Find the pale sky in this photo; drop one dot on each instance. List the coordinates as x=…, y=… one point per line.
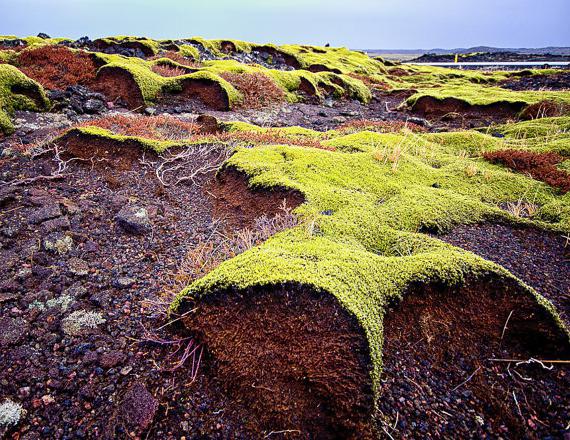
x=359, y=24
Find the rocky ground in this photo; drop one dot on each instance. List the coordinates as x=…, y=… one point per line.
x=86, y=258
x=90, y=248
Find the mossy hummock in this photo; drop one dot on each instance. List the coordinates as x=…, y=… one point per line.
x=368, y=206
x=18, y=92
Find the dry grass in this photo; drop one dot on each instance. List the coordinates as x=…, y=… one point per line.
x=379, y=126
x=522, y=209
x=167, y=70
x=371, y=82
x=57, y=67
x=270, y=137
x=162, y=128
x=218, y=248
x=258, y=90
x=178, y=57
x=471, y=170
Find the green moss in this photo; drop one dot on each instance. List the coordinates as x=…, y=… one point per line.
x=477, y=95
x=543, y=127
x=101, y=133
x=152, y=85
x=340, y=59
x=18, y=92
x=152, y=45
x=366, y=204
x=8, y=56
x=189, y=52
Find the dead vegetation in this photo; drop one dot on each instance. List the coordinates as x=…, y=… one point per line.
x=57, y=67
x=162, y=127
x=219, y=247
x=380, y=126
x=168, y=70
x=258, y=90
x=540, y=166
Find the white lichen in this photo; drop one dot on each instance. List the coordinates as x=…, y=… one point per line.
x=63, y=302
x=81, y=320
x=10, y=413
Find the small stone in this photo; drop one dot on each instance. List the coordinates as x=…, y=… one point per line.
x=126, y=370
x=134, y=220
x=56, y=224
x=339, y=119
x=78, y=267
x=12, y=331
x=58, y=243
x=150, y=111
x=47, y=400
x=112, y=359
x=124, y=282
x=46, y=212
x=93, y=106
x=138, y=407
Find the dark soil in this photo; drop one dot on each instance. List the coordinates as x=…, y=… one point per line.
x=439, y=380
x=228, y=190
x=559, y=81
x=296, y=359
x=119, y=87
x=539, y=258
x=113, y=379
x=460, y=113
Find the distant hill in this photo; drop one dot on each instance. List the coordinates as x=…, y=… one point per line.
x=523, y=51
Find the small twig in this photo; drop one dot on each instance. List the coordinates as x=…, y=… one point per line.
x=387, y=433
x=541, y=361
x=518, y=406
x=506, y=322
x=285, y=431
x=466, y=380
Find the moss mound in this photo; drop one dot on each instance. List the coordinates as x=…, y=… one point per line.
x=18, y=92
x=367, y=205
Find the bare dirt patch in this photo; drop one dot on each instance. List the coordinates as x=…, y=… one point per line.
x=452, y=108
x=119, y=86
x=439, y=380
x=539, y=258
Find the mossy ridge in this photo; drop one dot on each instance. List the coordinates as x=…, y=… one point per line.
x=158, y=146
x=536, y=128
x=339, y=59
x=360, y=242
x=18, y=92
x=482, y=96
x=153, y=46
x=152, y=85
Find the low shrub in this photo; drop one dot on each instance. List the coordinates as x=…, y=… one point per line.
x=57, y=67
x=541, y=166
x=258, y=90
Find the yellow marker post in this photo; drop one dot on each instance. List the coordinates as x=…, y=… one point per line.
x=456, y=57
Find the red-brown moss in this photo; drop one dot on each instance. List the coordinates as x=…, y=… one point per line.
x=258, y=90
x=57, y=67
x=541, y=166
